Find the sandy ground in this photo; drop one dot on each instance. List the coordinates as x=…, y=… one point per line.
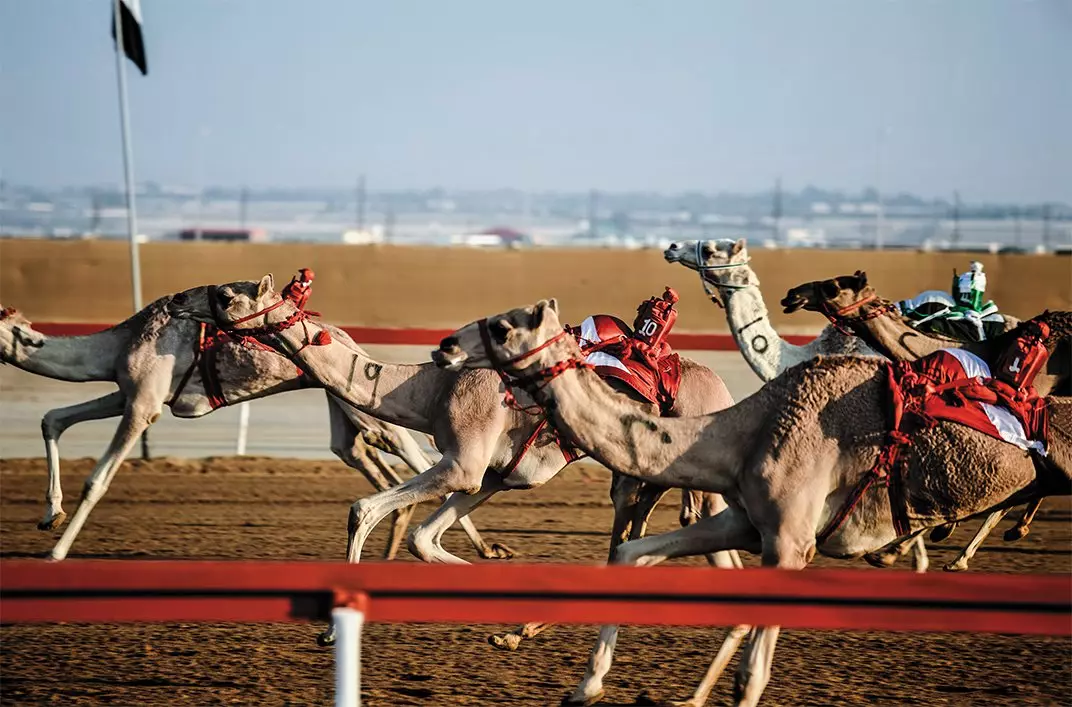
x=249, y=508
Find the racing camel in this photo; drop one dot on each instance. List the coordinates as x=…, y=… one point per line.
x=159, y=360
x=794, y=461
x=489, y=444
x=852, y=305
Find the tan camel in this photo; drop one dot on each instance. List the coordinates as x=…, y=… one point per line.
x=151, y=358
x=852, y=304
x=724, y=266
x=787, y=460
x=731, y=283
x=488, y=446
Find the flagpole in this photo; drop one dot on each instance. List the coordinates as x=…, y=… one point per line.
x=128, y=172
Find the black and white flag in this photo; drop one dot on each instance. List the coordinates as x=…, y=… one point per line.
x=130, y=16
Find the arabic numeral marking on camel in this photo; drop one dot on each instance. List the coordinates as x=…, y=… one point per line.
x=760, y=343
x=372, y=370
x=648, y=327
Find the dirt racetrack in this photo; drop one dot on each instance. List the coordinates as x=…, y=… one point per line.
x=251, y=508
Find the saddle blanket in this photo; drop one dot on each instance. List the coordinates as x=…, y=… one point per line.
x=957, y=385
x=609, y=347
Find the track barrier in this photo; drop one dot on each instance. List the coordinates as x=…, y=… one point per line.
x=108, y=591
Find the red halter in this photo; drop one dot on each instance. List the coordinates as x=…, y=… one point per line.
x=544, y=375
x=838, y=319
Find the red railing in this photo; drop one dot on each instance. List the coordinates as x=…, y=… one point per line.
x=173, y=591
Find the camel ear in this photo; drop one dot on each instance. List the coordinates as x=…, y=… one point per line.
x=862, y=277
x=538, y=313
x=266, y=285
x=553, y=304
x=738, y=246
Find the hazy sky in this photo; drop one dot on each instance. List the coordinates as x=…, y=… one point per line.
x=974, y=95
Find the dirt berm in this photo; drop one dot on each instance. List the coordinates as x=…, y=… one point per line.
x=389, y=286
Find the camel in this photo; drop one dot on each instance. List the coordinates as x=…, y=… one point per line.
x=788, y=460
x=488, y=445
x=723, y=265
x=852, y=304
x=149, y=357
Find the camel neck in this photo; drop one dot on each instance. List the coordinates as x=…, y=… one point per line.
x=686, y=452
x=77, y=359
x=398, y=393
x=766, y=352
x=896, y=340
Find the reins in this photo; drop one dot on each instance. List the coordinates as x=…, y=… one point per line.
x=529, y=383
x=841, y=322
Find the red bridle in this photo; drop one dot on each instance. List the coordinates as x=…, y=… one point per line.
x=544, y=375
x=253, y=334
x=838, y=317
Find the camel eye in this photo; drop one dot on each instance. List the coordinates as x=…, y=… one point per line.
x=830, y=289
x=499, y=330
x=707, y=251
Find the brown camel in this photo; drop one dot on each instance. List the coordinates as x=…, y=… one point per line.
x=853, y=305
x=488, y=446
x=149, y=357
x=728, y=279
x=786, y=459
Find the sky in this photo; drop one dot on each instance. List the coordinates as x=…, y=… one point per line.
x=678, y=95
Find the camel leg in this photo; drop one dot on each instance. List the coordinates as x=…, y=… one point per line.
x=398, y=441
x=136, y=418
x=711, y=504
x=728, y=530
x=435, y=483
x=55, y=423
x=443, y=478
x=633, y=502
x=961, y=562
x=942, y=532
x=920, y=560
x=1023, y=526
x=425, y=540
x=890, y=553
x=348, y=445
x=786, y=550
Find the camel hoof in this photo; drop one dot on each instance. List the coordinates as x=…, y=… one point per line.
x=505, y=642
x=884, y=559
x=1018, y=532
x=958, y=565
x=498, y=552
x=568, y=700
x=326, y=638
x=53, y=522
x=942, y=532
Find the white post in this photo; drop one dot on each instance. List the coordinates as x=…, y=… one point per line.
x=128, y=159
x=243, y=427
x=128, y=172
x=348, y=623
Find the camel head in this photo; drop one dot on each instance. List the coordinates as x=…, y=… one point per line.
x=514, y=342
x=16, y=330
x=223, y=305
x=722, y=263
x=832, y=295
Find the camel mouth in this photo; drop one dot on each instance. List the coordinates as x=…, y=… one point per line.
x=793, y=303
x=451, y=359
x=673, y=255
